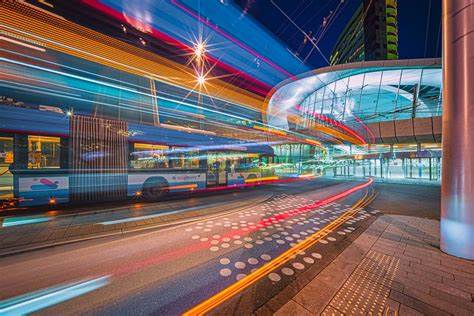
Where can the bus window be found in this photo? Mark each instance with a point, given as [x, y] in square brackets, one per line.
[148, 156]
[43, 152]
[185, 160]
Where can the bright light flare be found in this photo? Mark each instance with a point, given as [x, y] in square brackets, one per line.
[201, 79]
[199, 50]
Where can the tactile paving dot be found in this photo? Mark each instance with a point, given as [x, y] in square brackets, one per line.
[240, 276]
[274, 277]
[224, 261]
[316, 255]
[252, 261]
[287, 271]
[308, 260]
[298, 265]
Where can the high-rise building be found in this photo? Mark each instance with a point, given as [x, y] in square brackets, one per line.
[371, 34]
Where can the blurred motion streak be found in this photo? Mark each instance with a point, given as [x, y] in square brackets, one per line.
[32, 302]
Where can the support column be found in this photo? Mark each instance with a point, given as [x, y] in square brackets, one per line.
[457, 193]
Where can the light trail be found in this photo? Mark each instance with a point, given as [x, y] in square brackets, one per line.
[13, 41]
[94, 81]
[333, 122]
[35, 301]
[139, 218]
[116, 80]
[165, 66]
[254, 180]
[232, 39]
[24, 220]
[141, 93]
[165, 37]
[138, 108]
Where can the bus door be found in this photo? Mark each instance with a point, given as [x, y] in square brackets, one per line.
[212, 173]
[222, 177]
[6, 159]
[217, 167]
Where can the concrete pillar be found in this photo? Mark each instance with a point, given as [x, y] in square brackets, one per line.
[457, 193]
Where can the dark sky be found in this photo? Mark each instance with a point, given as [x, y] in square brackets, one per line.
[418, 24]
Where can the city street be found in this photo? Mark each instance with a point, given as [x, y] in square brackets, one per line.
[172, 269]
[237, 157]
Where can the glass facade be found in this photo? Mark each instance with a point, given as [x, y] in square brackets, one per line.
[375, 96]
[396, 161]
[297, 159]
[428, 169]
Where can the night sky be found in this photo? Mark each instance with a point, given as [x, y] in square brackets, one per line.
[417, 38]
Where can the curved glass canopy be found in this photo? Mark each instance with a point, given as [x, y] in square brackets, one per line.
[356, 93]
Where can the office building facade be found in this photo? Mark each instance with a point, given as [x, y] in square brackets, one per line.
[371, 34]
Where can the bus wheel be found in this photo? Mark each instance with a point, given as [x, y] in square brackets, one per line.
[253, 176]
[154, 189]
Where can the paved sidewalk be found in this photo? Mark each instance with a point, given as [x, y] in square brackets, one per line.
[394, 268]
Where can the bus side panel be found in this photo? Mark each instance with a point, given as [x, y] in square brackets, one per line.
[39, 189]
[177, 182]
[235, 178]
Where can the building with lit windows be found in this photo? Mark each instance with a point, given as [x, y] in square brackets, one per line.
[390, 112]
[371, 34]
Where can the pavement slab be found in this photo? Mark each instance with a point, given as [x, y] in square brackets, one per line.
[387, 273]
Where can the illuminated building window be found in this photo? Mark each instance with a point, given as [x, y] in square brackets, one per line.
[43, 152]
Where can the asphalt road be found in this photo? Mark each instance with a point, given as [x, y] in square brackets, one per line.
[168, 271]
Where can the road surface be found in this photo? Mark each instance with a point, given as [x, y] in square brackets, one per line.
[171, 270]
